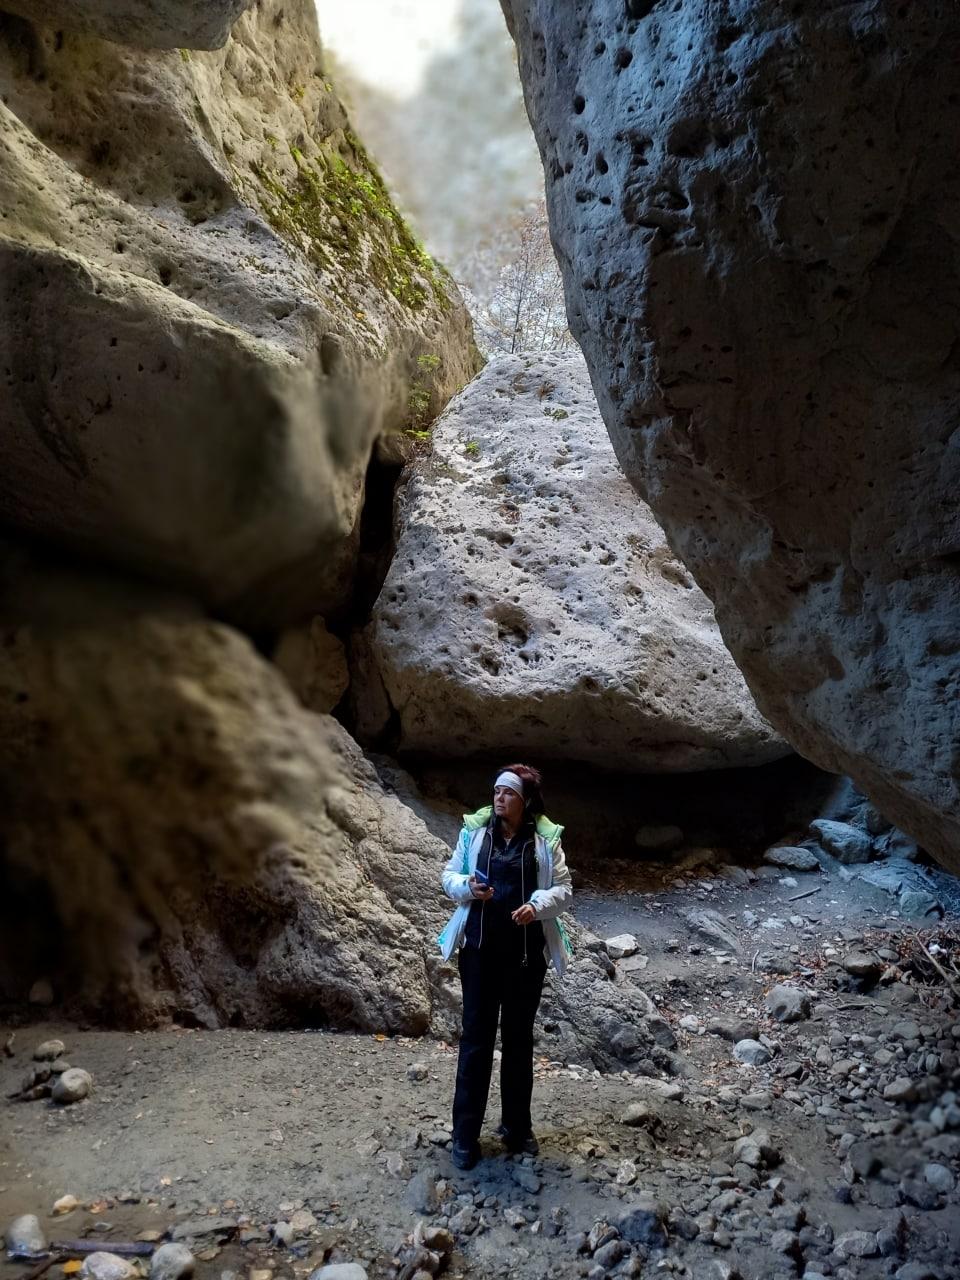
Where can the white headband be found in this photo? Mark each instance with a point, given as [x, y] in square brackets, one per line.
[510, 780]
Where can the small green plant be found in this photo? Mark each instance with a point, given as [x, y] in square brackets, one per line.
[185, 55]
[429, 363]
[471, 449]
[297, 91]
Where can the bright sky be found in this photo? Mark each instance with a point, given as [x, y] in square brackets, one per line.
[387, 41]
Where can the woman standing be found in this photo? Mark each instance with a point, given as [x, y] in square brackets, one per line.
[510, 877]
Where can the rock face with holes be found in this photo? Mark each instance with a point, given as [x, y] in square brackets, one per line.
[533, 604]
[146, 24]
[181, 839]
[209, 308]
[751, 207]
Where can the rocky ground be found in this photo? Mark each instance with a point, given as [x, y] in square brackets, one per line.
[815, 1129]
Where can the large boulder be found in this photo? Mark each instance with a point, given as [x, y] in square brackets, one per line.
[533, 605]
[145, 24]
[754, 208]
[181, 839]
[209, 311]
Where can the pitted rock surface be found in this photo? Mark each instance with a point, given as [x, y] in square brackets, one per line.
[748, 204]
[533, 604]
[209, 311]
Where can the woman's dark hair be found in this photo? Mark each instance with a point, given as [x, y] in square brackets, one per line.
[532, 782]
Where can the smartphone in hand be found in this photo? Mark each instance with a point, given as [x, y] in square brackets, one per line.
[482, 878]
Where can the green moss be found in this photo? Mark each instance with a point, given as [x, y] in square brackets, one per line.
[185, 55]
[342, 215]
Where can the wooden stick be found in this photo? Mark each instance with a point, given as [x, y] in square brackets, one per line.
[806, 894]
[942, 972]
[41, 1267]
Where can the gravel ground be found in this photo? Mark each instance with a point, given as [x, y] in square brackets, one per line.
[852, 1121]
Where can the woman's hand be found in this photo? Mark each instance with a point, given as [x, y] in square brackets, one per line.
[524, 915]
[482, 892]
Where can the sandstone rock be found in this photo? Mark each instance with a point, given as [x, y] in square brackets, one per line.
[224, 907]
[72, 1085]
[533, 605]
[240, 311]
[107, 1266]
[146, 24]
[48, 1050]
[623, 945]
[792, 857]
[315, 664]
[778, 379]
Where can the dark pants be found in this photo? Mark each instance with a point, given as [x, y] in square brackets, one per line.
[496, 987]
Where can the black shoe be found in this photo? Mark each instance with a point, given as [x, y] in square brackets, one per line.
[465, 1157]
[516, 1144]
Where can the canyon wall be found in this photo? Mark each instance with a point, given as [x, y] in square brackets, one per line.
[755, 207]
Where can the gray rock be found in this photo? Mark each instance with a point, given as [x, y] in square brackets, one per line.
[915, 904]
[639, 1115]
[846, 843]
[72, 1086]
[24, 1236]
[751, 1052]
[107, 1266]
[709, 923]
[863, 964]
[644, 1222]
[609, 1254]
[902, 1089]
[172, 1262]
[784, 1242]
[919, 1271]
[41, 992]
[792, 857]
[940, 1177]
[757, 1150]
[857, 1244]
[693, 326]
[787, 1003]
[418, 1071]
[734, 1029]
[339, 1271]
[920, 1193]
[421, 1193]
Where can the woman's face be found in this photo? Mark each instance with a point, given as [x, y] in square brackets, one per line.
[508, 805]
